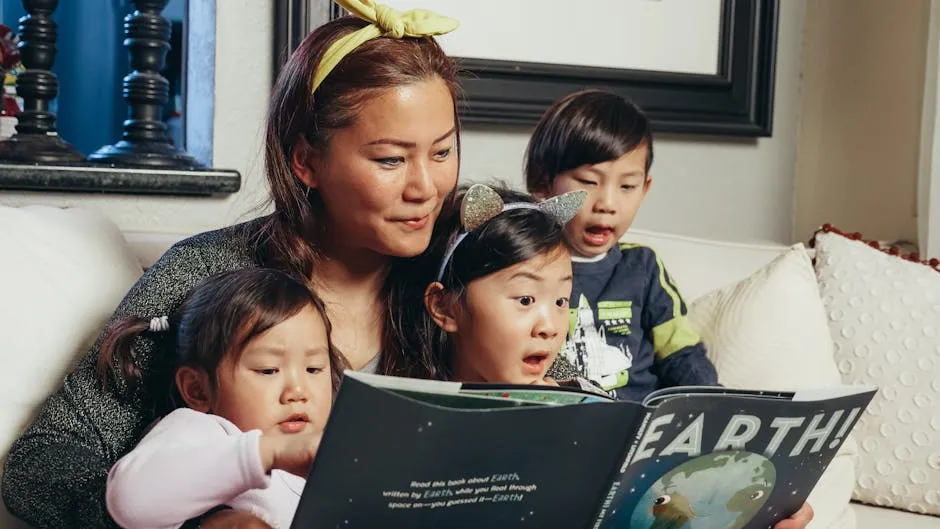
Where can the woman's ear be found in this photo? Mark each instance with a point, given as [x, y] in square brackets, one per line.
[193, 385]
[304, 163]
[440, 305]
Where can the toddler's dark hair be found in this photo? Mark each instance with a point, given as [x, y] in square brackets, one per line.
[218, 317]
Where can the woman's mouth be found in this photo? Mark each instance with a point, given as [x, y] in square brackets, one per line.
[416, 223]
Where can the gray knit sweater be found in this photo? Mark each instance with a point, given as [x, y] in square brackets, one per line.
[55, 474]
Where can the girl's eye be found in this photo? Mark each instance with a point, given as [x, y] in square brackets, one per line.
[314, 370]
[525, 301]
[443, 153]
[561, 302]
[394, 161]
[586, 182]
[268, 371]
[628, 187]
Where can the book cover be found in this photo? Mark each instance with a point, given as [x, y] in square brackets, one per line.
[403, 453]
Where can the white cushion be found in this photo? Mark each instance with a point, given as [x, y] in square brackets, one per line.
[769, 331]
[699, 266]
[870, 517]
[148, 247]
[885, 321]
[62, 273]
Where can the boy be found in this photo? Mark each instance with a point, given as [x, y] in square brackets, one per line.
[628, 329]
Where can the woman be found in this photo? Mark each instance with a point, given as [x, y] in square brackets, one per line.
[358, 170]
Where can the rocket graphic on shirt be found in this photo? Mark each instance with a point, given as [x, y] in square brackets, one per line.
[587, 349]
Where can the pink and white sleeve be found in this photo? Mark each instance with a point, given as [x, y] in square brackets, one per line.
[189, 463]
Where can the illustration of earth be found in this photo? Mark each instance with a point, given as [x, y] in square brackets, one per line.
[722, 490]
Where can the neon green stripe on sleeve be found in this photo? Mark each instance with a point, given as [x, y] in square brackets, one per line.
[673, 335]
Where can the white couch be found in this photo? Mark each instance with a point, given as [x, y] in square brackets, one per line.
[63, 271]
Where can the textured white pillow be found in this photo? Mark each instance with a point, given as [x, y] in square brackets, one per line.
[769, 331]
[62, 273]
[884, 317]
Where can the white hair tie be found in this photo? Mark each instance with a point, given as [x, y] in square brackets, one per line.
[160, 324]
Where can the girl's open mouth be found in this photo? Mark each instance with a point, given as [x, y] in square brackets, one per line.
[535, 363]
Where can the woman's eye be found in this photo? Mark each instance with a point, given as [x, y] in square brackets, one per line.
[314, 370]
[267, 371]
[561, 302]
[391, 162]
[628, 187]
[525, 301]
[443, 153]
[582, 181]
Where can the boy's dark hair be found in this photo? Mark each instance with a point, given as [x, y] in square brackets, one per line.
[507, 239]
[218, 317]
[584, 128]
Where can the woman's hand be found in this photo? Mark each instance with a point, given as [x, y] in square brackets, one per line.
[232, 519]
[799, 520]
[291, 452]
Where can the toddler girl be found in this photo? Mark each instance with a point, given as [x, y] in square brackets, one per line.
[257, 372]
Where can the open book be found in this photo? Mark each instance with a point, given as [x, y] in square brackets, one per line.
[405, 453]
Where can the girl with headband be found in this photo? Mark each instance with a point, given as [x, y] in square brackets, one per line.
[497, 310]
[361, 152]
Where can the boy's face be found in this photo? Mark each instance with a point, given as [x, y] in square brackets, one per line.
[615, 191]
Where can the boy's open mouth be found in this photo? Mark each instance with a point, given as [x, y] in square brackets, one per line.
[598, 235]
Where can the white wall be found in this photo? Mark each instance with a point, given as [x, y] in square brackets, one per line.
[860, 131]
[928, 188]
[710, 187]
[719, 188]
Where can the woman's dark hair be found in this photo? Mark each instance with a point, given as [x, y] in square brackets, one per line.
[218, 318]
[584, 128]
[509, 238]
[297, 117]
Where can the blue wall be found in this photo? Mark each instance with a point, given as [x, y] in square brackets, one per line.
[90, 64]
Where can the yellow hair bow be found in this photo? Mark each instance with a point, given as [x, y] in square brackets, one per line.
[385, 22]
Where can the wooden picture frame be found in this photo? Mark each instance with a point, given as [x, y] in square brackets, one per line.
[737, 100]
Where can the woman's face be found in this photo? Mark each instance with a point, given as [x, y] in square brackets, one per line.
[383, 179]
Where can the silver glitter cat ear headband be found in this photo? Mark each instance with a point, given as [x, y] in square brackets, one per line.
[482, 203]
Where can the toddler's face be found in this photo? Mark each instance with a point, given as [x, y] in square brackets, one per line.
[513, 322]
[282, 380]
[615, 191]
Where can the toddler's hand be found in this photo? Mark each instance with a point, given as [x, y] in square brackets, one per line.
[799, 520]
[232, 519]
[289, 452]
